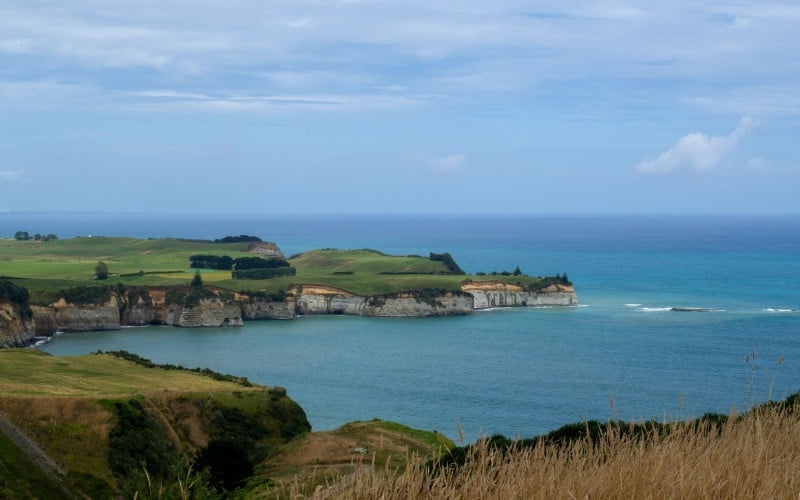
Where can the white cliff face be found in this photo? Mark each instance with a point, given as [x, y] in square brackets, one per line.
[208, 312]
[496, 294]
[484, 299]
[321, 300]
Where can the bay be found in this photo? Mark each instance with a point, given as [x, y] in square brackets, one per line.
[623, 353]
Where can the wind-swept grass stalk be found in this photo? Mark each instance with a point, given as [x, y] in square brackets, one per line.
[755, 456]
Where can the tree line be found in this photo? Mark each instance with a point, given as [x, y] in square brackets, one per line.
[25, 236]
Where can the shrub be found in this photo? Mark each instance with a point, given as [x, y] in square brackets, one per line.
[243, 263]
[18, 296]
[201, 261]
[448, 261]
[87, 294]
[238, 239]
[263, 274]
[138, 440]
[101, 271]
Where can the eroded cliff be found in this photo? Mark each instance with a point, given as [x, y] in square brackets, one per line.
[210, 307]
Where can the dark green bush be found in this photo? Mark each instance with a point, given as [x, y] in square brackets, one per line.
[238, 239]
[263, 274]
[244, 263]
[224, 262]
[138, 441]
[448, 261]
[18, 296]
[87, 294]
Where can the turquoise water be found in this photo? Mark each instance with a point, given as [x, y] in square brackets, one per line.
[522, 371]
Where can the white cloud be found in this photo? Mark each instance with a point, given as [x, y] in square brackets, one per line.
[696, 151]
[11, 175]
[449, 163]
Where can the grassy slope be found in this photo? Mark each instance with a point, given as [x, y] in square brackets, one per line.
[63, 263]
[27, 372]
[322, 458]
[63, 404]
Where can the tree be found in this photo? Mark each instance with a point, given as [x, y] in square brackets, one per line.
[101, 271]
[517, 271]
[21, 236]
[197, 281]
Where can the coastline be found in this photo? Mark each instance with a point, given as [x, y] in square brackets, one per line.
[223, 309]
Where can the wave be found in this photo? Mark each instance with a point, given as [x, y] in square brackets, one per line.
[655, 309]
[696, 309]
[780, 310]
[633, 305]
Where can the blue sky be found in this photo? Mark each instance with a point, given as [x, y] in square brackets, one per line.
[360, 106]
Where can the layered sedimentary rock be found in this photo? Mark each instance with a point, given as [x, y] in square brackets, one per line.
[495, 294]
[256, 308]
[207, 312]
[65, 317]
[329, 300]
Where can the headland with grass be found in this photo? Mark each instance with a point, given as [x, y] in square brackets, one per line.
[95, 283]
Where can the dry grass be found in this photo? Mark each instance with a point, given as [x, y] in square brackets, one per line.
[757, 456]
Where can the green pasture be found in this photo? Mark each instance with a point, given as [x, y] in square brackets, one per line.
[27, 372]
[52, 265]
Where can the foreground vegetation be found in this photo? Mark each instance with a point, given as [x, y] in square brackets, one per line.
[122, 425]
[46, 267]
[753, 456]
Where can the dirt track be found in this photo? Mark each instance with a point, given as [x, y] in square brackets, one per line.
[32, 451]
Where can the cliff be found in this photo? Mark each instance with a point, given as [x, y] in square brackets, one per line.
[316, 299]
[14, 329]
[136, 307]
[497, 294]
[210, 307]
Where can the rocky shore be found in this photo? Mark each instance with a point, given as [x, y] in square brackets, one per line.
[219, 308]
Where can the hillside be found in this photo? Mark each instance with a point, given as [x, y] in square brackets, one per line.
[105, 421]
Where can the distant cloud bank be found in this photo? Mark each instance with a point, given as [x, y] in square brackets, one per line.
[696, 151]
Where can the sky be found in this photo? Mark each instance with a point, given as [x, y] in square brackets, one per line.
[417, 107]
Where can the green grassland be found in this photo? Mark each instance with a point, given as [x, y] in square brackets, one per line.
[28, 372]
[46, 266]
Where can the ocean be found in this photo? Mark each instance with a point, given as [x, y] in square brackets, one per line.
[624, 353]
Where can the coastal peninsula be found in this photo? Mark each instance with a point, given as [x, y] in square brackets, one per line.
[98, 283]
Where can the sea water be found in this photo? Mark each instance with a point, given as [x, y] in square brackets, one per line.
[624, 353]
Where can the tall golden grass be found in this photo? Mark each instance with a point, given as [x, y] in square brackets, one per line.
[755, 456]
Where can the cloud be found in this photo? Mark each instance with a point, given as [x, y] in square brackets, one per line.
[696, 151]
[461, 49]
[11, 175]
[449, 163]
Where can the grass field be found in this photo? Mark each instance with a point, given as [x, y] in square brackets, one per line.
[28, 372]
[52, 265]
